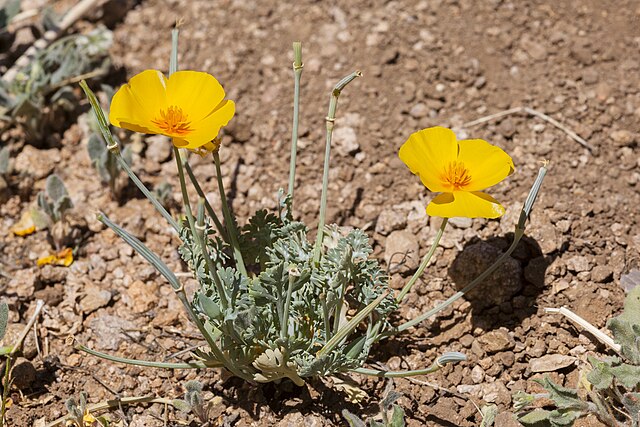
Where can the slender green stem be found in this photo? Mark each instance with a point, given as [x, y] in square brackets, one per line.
[516, 238]
[5, 388]
[425, 261]
[330, 124]
[297, 73]
[207, 205]
[338, 309]
[228, 219]
[325, 317]
[173, 59]
[213, 273]
[350, 326]
[451, 357]
[284, 325]
[185, 194]
[149, 364]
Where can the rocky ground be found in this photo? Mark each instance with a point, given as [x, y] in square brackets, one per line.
[425, 63]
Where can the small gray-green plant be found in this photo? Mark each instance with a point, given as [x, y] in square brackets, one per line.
[41, 90]
[193, 402]
[79, 414]
[271, 304]
[105, 162]
[52, 205]
[387, 405]
[612, 386]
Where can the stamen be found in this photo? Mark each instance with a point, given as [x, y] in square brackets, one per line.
[173, 122]
[456, 176]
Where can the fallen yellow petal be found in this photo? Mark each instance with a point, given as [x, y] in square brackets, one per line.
[63, 258]
[25, 226]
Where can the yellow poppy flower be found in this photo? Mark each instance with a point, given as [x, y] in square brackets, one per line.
[188, 106]
[458, 170]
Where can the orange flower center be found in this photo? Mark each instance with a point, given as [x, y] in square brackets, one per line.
[456, 176]
[173, 122]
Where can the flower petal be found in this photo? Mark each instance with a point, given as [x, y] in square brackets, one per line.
[197, 93]
[486, 163]
[474, 204]
[207, 129]
[428, 152]
[139, 101]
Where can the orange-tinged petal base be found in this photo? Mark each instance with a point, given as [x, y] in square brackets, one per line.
[475, 204]
[25, 226]
[63, 258]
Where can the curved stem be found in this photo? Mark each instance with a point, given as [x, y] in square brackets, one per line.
[516, 238]
[449, 357]
[228, 219]
[425, 261]
[330, 123]
[114, 148]
[147, 363]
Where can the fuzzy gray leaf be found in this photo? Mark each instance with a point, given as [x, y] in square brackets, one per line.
[564, 398]
[397, 417]
[352, 419]
[626, 327]
[62, 205]
[96, 146]
[55, 188]
[181, 405]
[601, 375]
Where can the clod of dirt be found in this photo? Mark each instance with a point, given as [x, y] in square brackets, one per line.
[29, 349]
[401, 252]
[390, 220]
[506, 419]
[29, 161]
[601, 274]
[94, 299]
[497, 340]
[578, 264]
[551, 362]
[500, 286]
[346, 141]
[106, 331]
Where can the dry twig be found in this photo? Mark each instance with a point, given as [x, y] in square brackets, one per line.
[535, 113]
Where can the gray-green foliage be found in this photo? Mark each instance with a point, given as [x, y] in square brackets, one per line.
[251, 320]
[43, 87]
[8, 10]
[193, 401]
[386, 405]
[52, 203]
[105, 162]
[615, 381]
